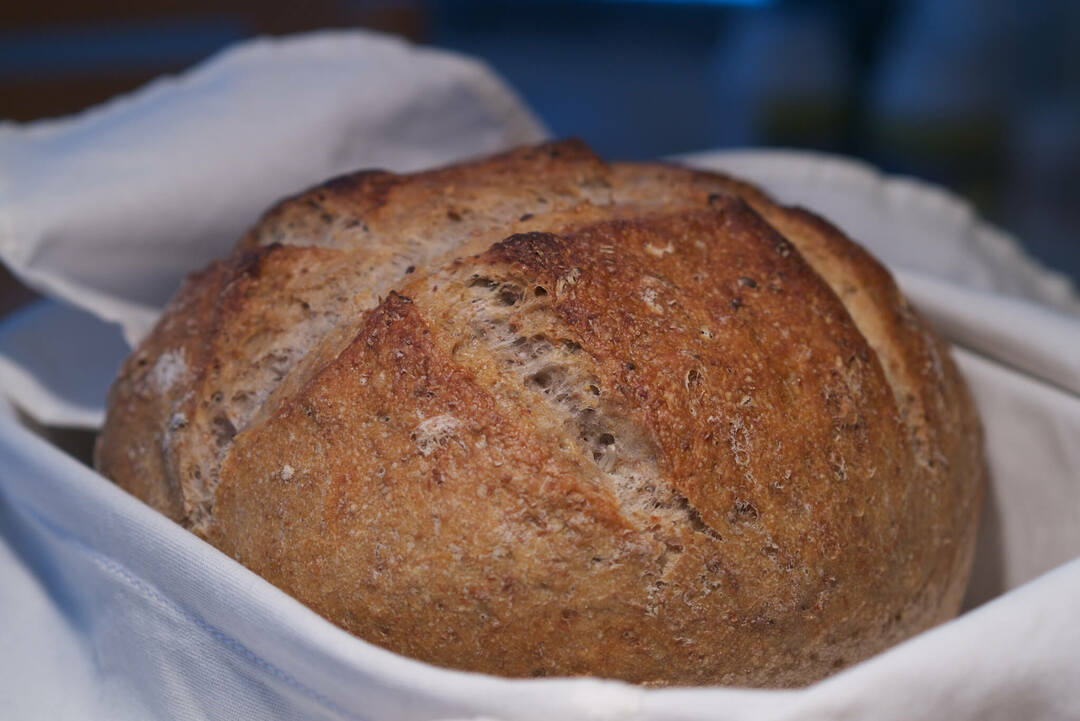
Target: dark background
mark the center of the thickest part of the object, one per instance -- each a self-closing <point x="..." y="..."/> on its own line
<point x="982" y="96"/>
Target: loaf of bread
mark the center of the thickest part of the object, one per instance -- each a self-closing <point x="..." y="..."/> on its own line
<point x="540" y="415"/>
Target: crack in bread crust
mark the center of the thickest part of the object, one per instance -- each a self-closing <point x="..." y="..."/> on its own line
<point x="511" y="321"/>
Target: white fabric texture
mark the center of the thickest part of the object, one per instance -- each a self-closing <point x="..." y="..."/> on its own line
<point x="109" y="611"/>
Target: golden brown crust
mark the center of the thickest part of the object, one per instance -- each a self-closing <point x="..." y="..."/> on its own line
<point x="633" y="421"/>
<point x="132" y="446"/>
<point x="235" y="332"/>
<point x="372" y="208"/>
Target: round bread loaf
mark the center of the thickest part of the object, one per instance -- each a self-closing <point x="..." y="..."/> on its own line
<point x="540" y="415"/>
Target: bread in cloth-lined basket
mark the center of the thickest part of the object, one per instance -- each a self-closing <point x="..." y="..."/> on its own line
<point x="539" y="415"/>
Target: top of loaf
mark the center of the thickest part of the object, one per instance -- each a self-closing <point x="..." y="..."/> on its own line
<point x="700" y="376"/>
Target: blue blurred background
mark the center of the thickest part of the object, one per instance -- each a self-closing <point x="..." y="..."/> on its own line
<point x="982" y="96"/>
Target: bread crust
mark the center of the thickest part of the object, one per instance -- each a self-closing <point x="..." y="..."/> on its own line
<point x="540" y="415"/>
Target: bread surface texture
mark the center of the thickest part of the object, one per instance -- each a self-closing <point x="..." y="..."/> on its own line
<point x="540" y="415"/>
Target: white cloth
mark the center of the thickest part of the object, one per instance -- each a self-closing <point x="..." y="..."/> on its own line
<point x="109" y="611"/>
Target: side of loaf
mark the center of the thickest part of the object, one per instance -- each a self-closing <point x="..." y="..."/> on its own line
<point x="541" y="415"/>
